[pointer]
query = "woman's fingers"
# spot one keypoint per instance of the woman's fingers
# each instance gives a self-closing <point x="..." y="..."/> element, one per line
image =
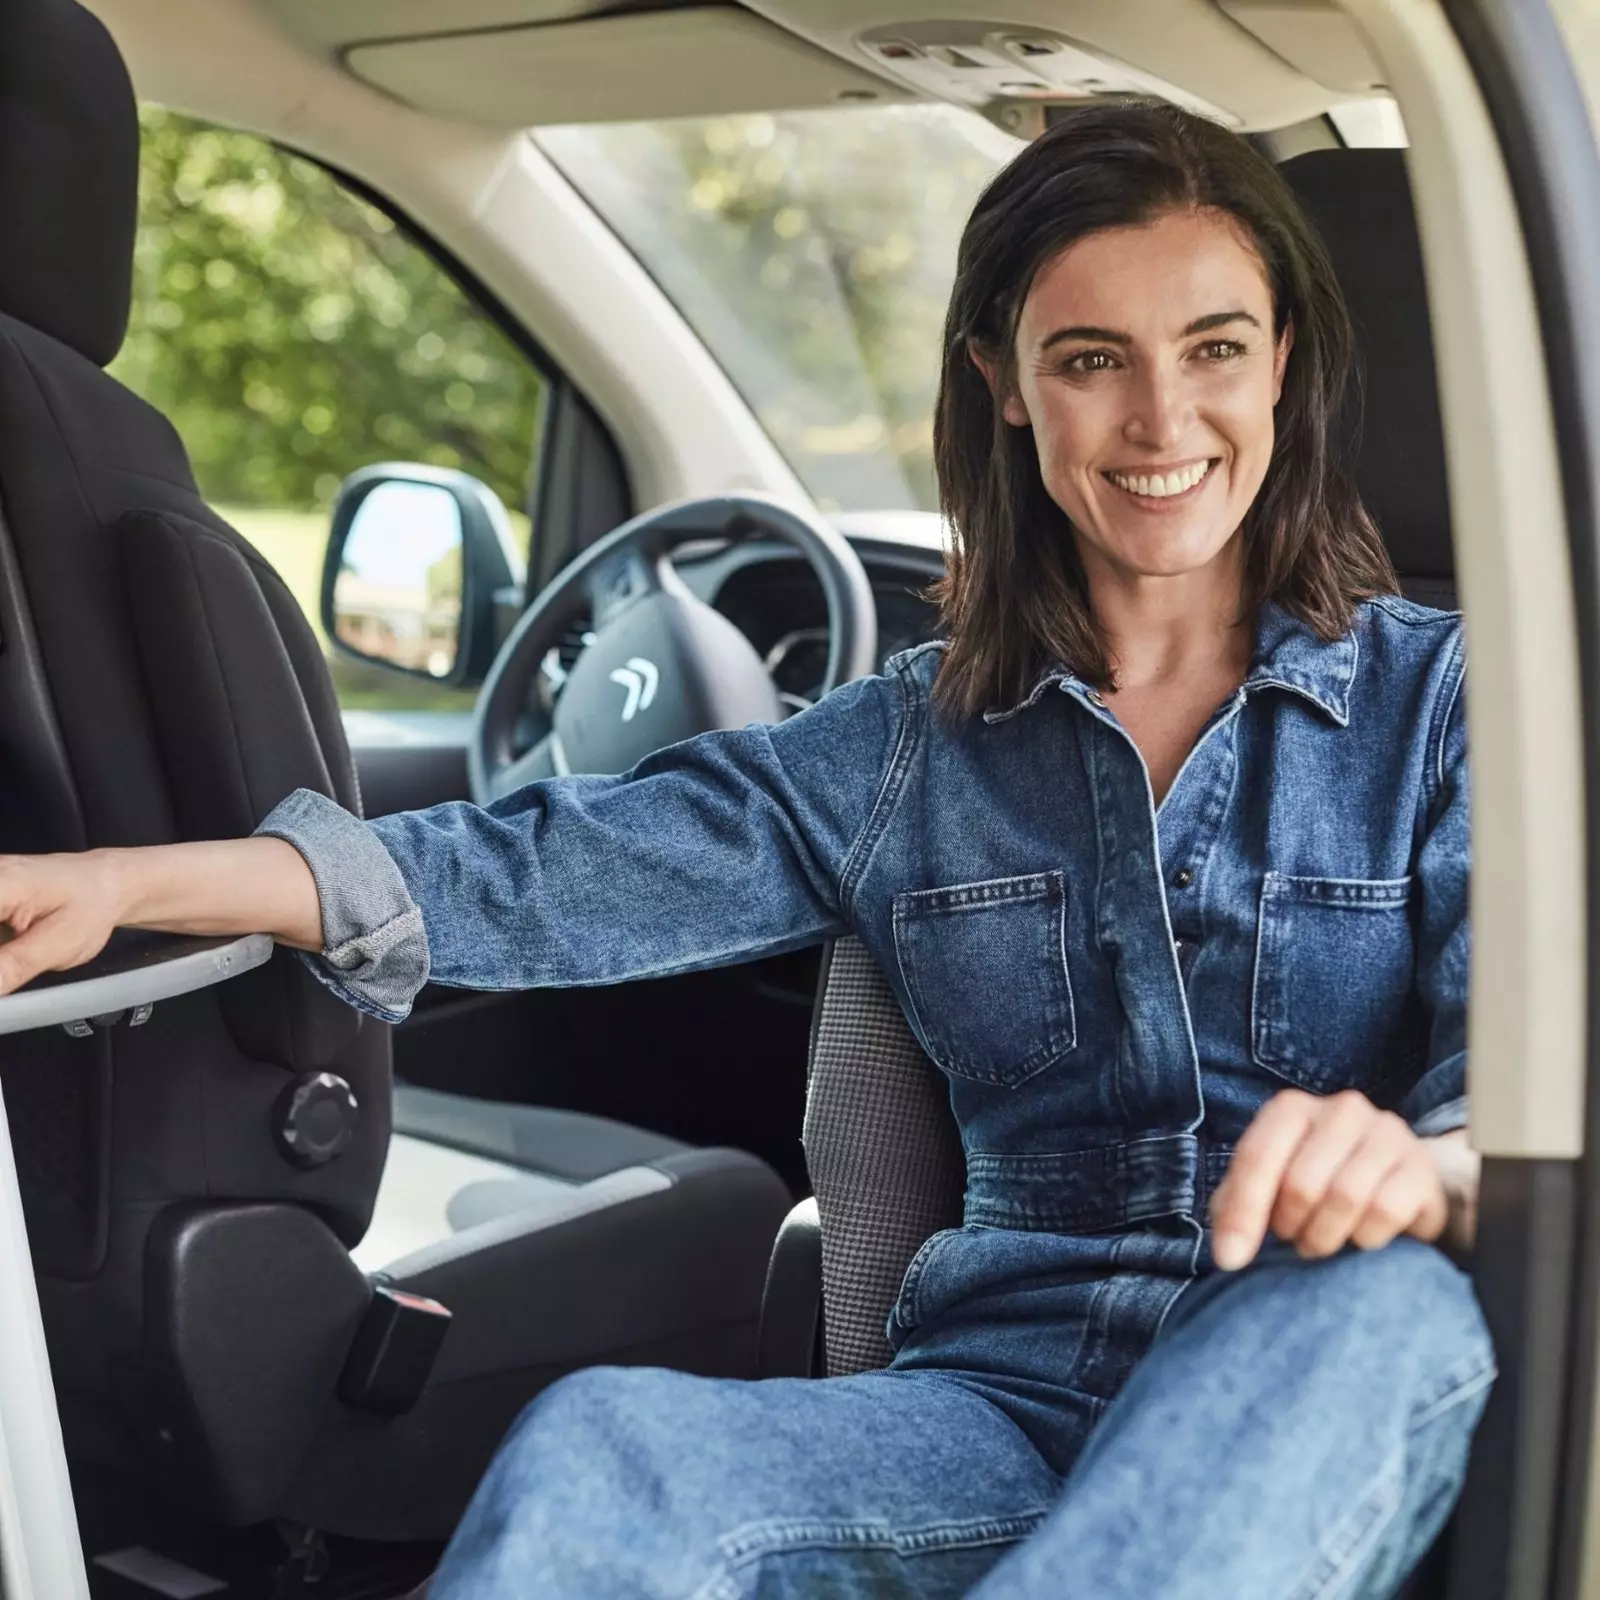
<point x="54" y="916"/>
<point x="1243" y="1203"/>
<point x="1340" y="1124"/>
<point x="1410" y="1200"/>
<point x="49" y="945"/>
<point x="1326" y="1172"/>
<point x="1355" y="1187"/>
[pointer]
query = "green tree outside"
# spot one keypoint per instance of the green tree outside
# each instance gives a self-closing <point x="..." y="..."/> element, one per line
<point x="292" y="333"/>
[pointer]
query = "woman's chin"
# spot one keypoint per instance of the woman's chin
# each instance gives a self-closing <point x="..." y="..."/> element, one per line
<point x="1172" y="555"/>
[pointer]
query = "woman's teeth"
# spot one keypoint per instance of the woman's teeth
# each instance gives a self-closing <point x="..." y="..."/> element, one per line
<point x="1157" y="485"/>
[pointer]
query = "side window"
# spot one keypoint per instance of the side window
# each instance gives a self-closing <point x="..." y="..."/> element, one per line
<point x="293" y="332"/>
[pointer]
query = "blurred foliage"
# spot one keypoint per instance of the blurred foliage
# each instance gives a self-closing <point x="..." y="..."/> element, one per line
<point x="292" y="333"/>
<point x="813" y="252"/>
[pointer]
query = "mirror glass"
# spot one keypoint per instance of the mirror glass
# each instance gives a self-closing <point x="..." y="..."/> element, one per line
<point x="397" y="595"/>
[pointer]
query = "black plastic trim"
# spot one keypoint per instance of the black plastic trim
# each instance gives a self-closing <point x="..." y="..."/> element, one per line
<point x="581" y="484"/>
<point x="790" y="1342"/>
<point x="1518" y="56"/>
<point x="1522" y="1270"/>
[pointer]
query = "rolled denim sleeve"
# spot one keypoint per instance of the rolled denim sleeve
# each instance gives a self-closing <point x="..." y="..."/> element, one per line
<point x="1437" y="1103"/>
<point x="375" y="948"/>
<point x="725" y="847"/>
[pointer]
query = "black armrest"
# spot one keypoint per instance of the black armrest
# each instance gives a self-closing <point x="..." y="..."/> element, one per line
<point x="791" y="1307"/>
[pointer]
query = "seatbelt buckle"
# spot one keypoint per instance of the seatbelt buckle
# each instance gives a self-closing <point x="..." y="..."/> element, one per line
<point x="392" y="1355"/>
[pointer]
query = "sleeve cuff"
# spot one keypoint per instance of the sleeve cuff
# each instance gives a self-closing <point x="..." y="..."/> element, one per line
<point x="375" y="947"/>
<point x="1445" y="1118"/>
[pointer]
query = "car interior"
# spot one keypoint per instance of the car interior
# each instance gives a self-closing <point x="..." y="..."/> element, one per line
<point x="298" y="1269"/>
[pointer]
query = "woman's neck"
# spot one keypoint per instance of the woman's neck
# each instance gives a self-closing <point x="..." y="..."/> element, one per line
<point x="1164" y="630"/>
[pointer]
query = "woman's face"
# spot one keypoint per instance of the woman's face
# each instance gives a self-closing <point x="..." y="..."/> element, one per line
<point x="1147" y="370"/>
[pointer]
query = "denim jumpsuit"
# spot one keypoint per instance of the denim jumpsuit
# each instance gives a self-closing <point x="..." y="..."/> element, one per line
<point x="1113" y="990"/>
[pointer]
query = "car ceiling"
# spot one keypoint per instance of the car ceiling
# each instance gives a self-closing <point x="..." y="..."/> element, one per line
<point x="1259" y="64"/>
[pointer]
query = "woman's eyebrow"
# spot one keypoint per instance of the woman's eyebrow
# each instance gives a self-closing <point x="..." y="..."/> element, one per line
<point x="1081" y="330"/>
<point x="1218" y="319"/>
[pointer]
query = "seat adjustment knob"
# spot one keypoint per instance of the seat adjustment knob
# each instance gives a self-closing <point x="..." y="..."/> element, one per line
<point x="314" y="1118"/>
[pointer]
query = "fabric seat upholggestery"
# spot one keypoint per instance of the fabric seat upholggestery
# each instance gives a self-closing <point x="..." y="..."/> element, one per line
<point x="202" y="1288"/>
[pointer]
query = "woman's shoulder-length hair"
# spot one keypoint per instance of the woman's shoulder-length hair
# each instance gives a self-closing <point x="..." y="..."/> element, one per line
<point x="1014" y="600"/>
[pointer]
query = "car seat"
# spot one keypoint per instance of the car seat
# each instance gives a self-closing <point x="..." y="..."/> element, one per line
<point x="199" y="1187"/>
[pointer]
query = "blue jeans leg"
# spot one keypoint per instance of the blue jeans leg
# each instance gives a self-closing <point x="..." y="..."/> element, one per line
<point x="642" y="1484"/>
<point x="1299" y="1430"/>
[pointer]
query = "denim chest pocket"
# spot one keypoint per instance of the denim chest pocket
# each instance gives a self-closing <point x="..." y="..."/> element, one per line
<point x="1335" y="964"/>
<point x="985" y="969"/>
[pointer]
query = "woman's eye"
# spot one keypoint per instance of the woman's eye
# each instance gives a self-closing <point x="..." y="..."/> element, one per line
<point x="1090" y="361"/>
<point x="1222" y="349"/>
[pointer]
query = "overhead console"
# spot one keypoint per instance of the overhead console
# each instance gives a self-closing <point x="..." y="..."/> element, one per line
<point x="1015" y="61"/>
<point x="979" y="64"/>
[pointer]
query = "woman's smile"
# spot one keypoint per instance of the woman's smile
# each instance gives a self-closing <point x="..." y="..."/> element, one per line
<point x="1162" y="488"/>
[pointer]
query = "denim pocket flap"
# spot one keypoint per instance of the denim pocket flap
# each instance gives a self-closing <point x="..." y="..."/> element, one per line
<point x="1335" y="970"/>
<point x="985" y="970"/>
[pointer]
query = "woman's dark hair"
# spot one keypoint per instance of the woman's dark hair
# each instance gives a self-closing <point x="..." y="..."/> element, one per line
<point x="1015" y="597"/>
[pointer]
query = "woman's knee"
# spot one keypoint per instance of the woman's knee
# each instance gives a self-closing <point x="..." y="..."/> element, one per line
<point x="1410" y="1296"/>
<point x="1402" y="1320"/>
<point x="599" y="1407"/>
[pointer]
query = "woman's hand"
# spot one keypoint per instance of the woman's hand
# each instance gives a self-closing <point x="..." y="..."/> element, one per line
<point x="57" y="911"/>
<point x="1326" y="1171"/>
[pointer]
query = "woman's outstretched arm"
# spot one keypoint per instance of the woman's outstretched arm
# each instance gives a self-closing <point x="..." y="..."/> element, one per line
<point x="61" y="909"/>
<point x="725" y="847"/>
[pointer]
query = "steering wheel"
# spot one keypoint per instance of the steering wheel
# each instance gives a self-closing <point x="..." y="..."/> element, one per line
<point x="660" y="665"/>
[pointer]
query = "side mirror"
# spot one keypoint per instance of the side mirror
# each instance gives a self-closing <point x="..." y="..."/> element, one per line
<point x="421" y="572"/>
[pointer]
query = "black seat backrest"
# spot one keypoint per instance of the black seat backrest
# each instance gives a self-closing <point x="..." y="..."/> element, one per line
<point x="1360" y="201"/>
<point x="157" y="683"/>
<point x="883" y="1153"/>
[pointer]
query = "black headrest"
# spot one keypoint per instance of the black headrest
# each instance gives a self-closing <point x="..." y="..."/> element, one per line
<point x="69" y="176"/>
<point x="1361" y="203"/>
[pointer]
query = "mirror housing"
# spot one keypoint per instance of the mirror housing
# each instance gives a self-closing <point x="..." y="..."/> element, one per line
<point x="422" y="574"/>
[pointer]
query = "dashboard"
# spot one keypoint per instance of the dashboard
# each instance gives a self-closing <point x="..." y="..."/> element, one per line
<point x="769" y="592"/>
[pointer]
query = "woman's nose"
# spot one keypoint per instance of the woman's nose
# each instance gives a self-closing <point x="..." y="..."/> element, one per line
<point x="1161" y="412"/>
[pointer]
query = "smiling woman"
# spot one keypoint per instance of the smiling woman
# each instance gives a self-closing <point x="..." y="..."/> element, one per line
<point x="1173" y="374"/>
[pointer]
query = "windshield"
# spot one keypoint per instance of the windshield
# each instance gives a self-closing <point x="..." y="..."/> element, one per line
<point x="813" y="252"/>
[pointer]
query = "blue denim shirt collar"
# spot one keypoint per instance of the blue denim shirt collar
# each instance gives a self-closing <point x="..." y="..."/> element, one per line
<point x="1288" y="655"/>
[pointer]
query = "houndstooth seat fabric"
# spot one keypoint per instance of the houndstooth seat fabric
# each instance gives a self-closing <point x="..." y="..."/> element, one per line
<point x="883" y="1151"/>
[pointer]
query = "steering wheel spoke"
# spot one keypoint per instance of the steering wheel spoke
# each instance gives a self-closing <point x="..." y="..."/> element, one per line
<point x="621" y="582"/>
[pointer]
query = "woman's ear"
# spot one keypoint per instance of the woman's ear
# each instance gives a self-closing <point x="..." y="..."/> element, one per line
<point x="1280" y="360"/>
<point x="1000" y="387"/>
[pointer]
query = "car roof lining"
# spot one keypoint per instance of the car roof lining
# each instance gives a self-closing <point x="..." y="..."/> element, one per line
<point x="524" y="62"/>
<point x="705" y="60"/>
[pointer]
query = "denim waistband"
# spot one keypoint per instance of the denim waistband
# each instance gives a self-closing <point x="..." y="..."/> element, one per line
<point x="1083" y="1191"/>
